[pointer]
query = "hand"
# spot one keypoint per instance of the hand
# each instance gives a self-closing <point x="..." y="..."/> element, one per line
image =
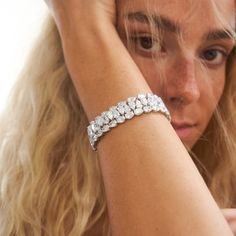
<point x="73" y="13"/>
<point x="230" y="216"/>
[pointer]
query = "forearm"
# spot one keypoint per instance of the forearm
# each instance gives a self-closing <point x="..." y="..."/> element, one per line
<point x="151" y="183"/>
<point x="102" y="70"/>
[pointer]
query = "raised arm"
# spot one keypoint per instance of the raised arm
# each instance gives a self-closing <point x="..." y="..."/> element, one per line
<point x="152" y="185"/>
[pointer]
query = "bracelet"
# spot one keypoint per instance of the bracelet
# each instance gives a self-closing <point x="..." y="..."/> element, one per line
<point x="125" y="110"/>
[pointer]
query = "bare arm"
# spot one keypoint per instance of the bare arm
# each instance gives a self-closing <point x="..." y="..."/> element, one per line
<point x="151" y="183"/>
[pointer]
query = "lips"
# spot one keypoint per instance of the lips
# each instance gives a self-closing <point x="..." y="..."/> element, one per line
<point x="183" y="129"/>
<point x="181" y="125"/>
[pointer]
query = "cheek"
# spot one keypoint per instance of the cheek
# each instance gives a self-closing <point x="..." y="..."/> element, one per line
<point x="218" y="84"/>
<point x="211" y="93"/>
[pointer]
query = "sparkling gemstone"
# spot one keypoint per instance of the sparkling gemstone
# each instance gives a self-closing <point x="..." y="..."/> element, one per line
<point x="99" y="133"/>
<point x="121" y="109"/>
<point x="138" y="104"/>
<point x="120" y="119"/>
<point x="156" y="103"/>
<point x="151" y="101"/>
<point x="144" y="101"/>
<point x="162" y="108"/>
<point x="140" y="96"/>
<point x="115" y="113"/>
<point x="110" y="115"/>
<point x="113" y="123"/>
<point x="127" y="108"/>
<point x="155" y="108"/>
<point x="105" y="118"/>
<point x="94" y="127"/>
<point x="157" y="100"/>
<point x="138" y="111"/>
<point x="147" y="109"/>
<point x="131" y="99"/>
<point x="99" y="120"/>
<point x="95" y="138"/>
<point x="105" y="128"/>
<point x="129" y="115"/>
<point x="132" y="105"/>
<point x="89" y="130"/>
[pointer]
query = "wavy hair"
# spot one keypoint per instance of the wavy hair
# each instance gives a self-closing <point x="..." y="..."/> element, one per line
<point x="51" y="182"/>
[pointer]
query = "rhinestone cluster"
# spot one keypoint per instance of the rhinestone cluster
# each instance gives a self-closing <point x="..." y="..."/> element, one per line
<point x="125" y="110"/>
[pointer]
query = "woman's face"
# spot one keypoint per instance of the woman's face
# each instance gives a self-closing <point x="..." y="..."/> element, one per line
<point x="183" y="56"/>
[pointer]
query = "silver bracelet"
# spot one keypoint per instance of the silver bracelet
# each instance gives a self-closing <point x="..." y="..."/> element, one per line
<point x="125" y="110"/>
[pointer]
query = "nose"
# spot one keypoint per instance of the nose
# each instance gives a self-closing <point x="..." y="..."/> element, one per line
<point x="181" y="82"/>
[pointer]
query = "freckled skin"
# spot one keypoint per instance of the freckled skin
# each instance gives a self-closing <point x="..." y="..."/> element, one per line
<point x="193" y="82"/>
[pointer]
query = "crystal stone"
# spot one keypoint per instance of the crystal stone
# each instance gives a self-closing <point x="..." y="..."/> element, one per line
<point x="151" y="101"/>
<point x="155" y="108"/>
<point x="131" y="99"/>
<point x="132" y="105"/>
<point x="94" y="127"/>
<point x="138" y="104"/>
<point x="99" y="120"/>
<point x="105" y="118"/>
<point x="157" y="100"/>
<point x="99" y="133"/>
<point x="144" y="101"/>
<point x="89" y="130"/>
<point x="95" y="138"/>
<point x="141" y="96"/>
<point x="120" y="108"/>
<point x="127" y="108"/>
<point x="109" y="115"/>
<point x="105" y="128"/>
<point x="115" y="113"/>
<point x="120" y="119"/>
<point x="129" y="115"/>
<point x="113" y="123"/>
<point x="162" y="108"/>
<point x="138" y="111"/>
<point x="147" y="109"/>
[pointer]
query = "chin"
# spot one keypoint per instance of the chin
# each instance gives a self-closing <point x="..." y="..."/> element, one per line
<point x="189" y="144"/>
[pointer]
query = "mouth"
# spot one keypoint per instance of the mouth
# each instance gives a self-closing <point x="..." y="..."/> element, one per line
<point x="183" y="129"/>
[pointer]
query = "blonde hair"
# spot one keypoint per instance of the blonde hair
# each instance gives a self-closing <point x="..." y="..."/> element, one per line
<point x="51" y="182"/>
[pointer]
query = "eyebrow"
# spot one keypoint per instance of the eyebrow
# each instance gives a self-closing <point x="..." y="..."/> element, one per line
<point x="166" y="24"/>
<point x="158" y="20"/>
<point x="219" y="34"/>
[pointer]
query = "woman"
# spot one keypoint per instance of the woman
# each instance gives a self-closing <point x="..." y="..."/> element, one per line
<point x="53" y="183"/>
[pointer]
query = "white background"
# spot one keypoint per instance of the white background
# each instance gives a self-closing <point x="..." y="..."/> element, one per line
<point x="20" y="21"/>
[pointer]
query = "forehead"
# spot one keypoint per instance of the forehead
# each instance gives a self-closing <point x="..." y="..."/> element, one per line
<point x="201" y="12"/>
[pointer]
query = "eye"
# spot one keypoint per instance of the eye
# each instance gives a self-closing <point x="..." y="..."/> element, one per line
<point x="214" y="56"/>
<point x="145" y="44"/>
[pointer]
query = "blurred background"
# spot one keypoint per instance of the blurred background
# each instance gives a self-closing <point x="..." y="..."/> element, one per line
<point x="20" y="23"/>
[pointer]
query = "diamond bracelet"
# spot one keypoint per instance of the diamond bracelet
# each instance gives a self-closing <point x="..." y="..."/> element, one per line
<point x="125" y="110"/>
